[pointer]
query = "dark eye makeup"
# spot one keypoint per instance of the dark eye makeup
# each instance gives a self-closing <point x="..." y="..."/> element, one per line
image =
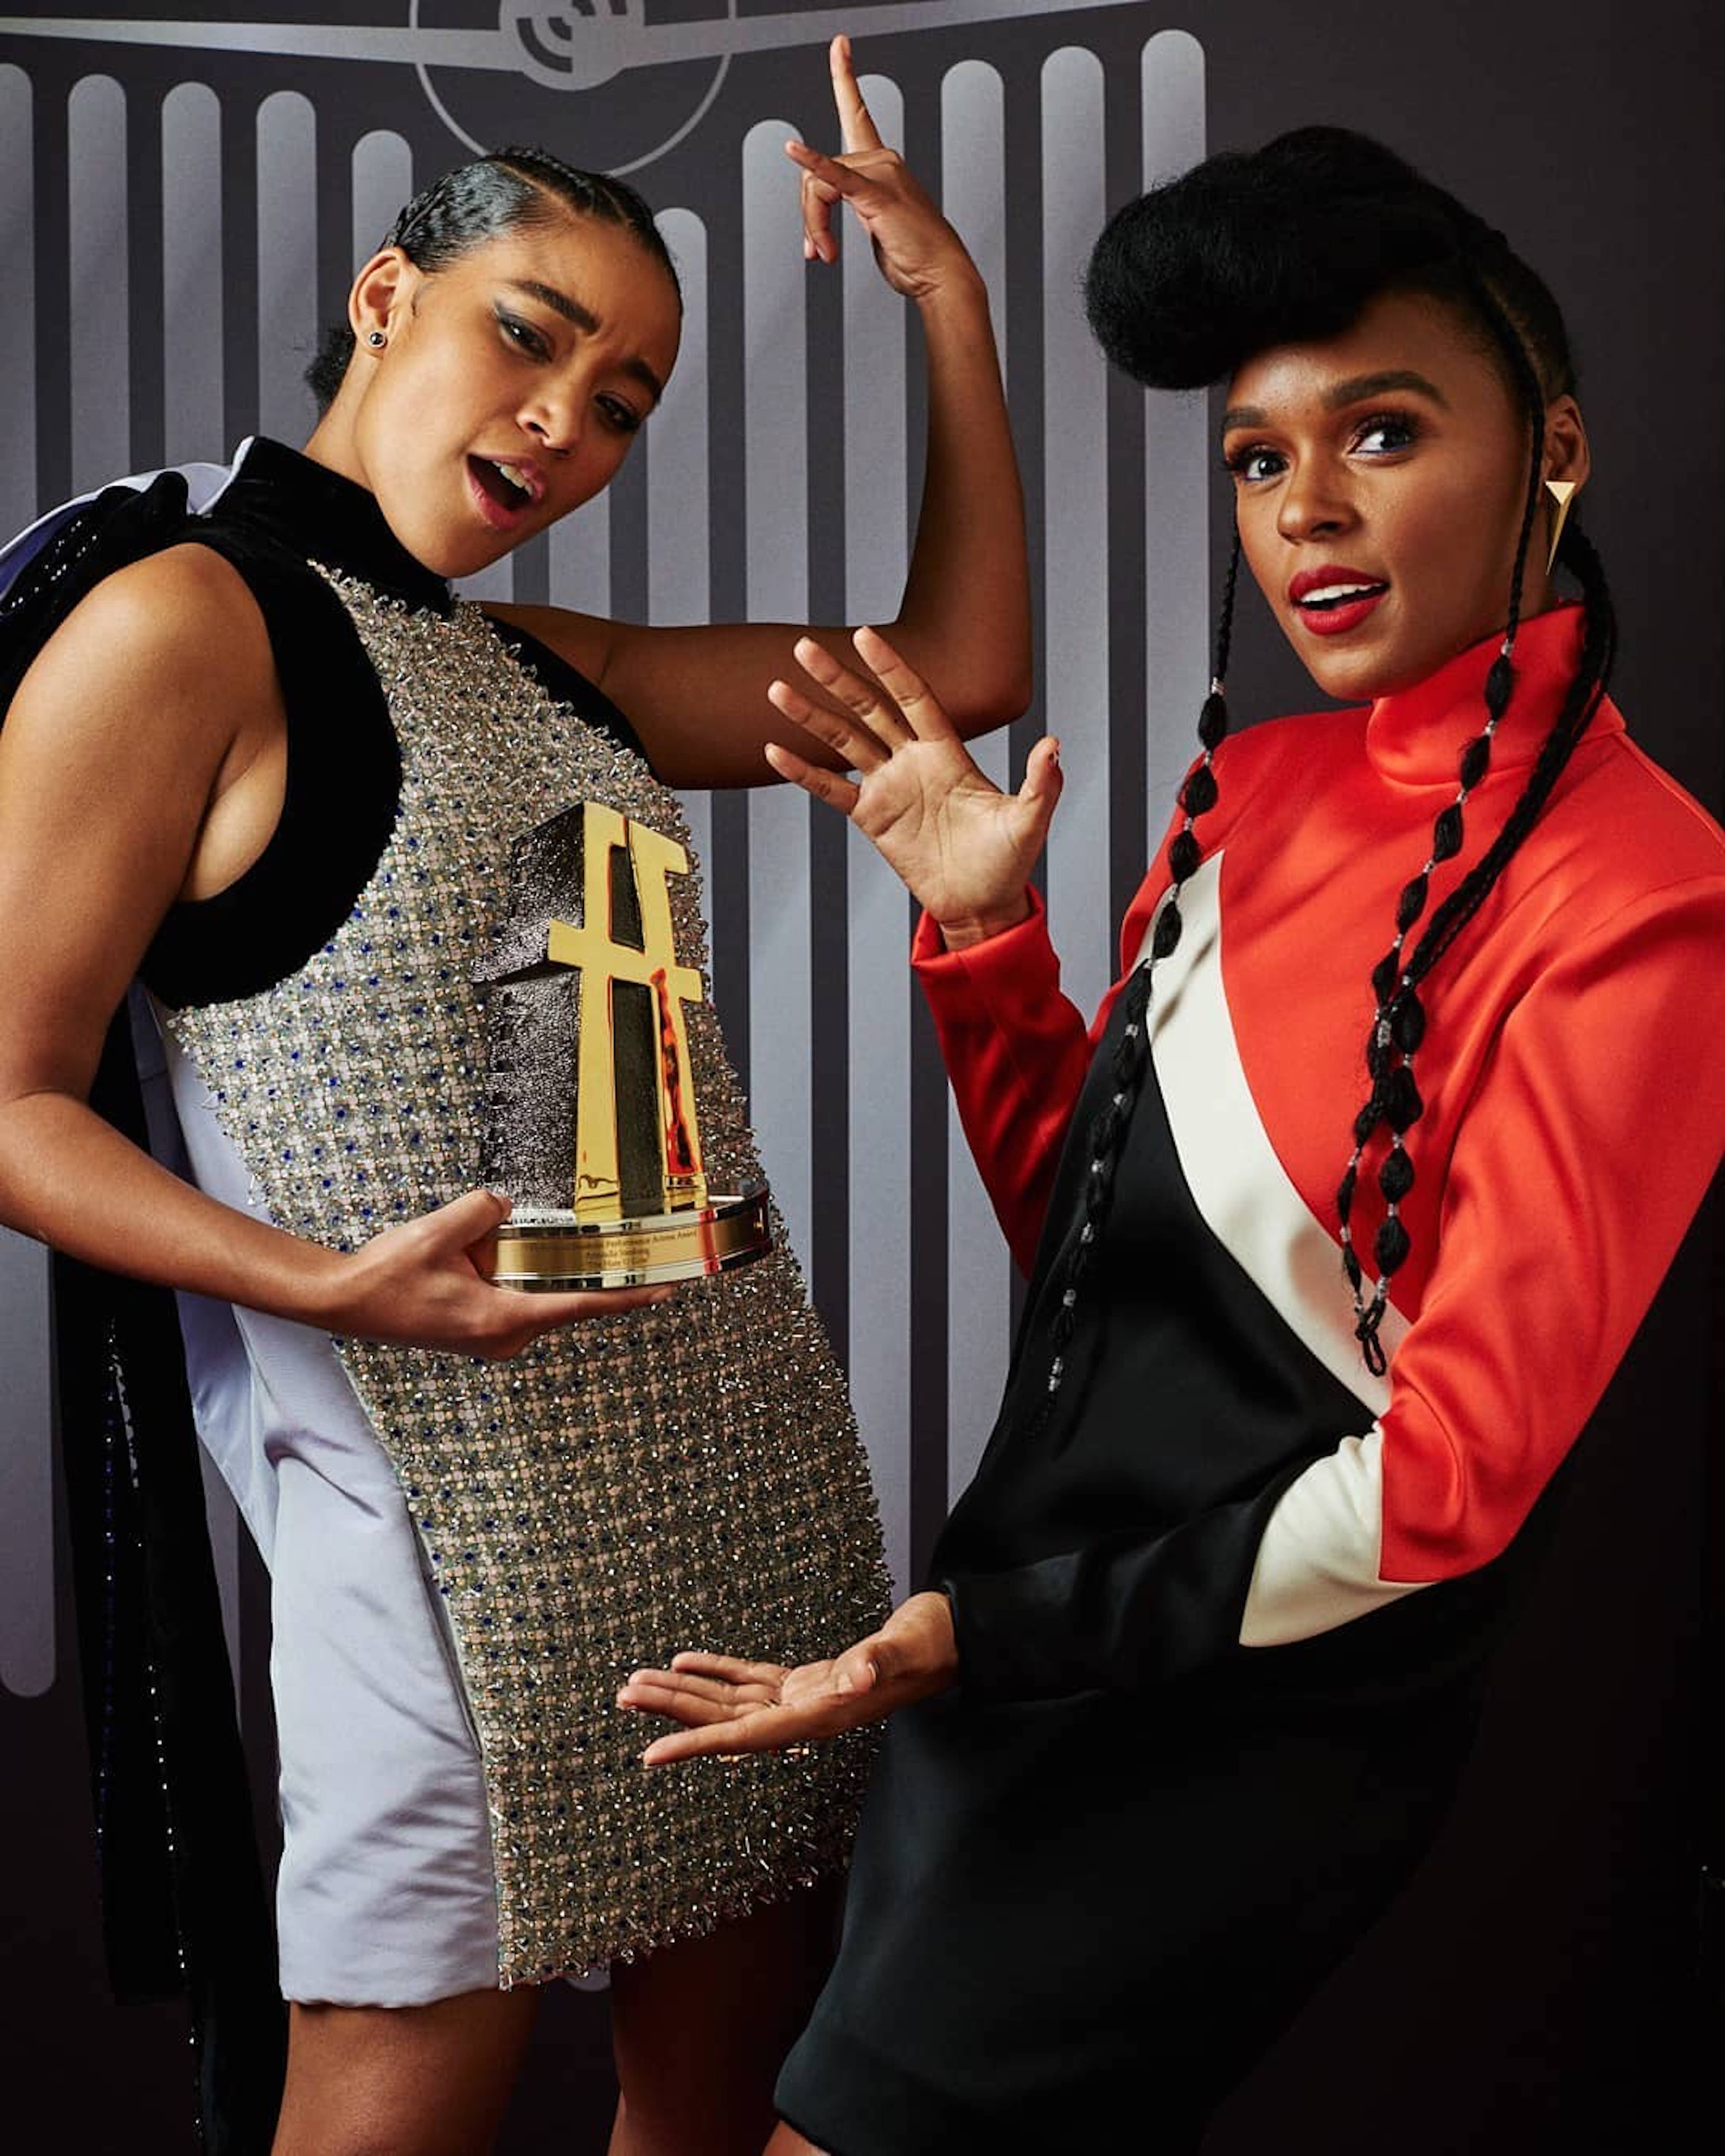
<point x="522" y="333"/>
<point x="1380" y="434"/>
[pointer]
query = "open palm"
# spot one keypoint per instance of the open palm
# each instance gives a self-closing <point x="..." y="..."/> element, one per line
<point x="962" y="847"/>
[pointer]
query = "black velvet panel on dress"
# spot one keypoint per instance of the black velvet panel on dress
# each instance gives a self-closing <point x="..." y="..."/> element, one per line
<point x="281" y="512"/>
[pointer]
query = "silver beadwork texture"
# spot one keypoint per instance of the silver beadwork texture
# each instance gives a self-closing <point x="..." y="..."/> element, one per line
<point x="687" y="1476"/>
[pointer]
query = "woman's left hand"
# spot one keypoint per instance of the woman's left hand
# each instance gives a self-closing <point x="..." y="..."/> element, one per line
<point x="917" y="250"/>
<point x="728" y="1705"/>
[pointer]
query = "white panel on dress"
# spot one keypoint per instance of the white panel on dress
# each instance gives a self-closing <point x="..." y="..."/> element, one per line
<point x="1318" y="1561"/>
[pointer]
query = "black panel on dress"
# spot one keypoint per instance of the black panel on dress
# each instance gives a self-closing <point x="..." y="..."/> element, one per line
<point x="280" y="513"/>
<point x="1107" y="1900"/>
<point x="338" y="807"/>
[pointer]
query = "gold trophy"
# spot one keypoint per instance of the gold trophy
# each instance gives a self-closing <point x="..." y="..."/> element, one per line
<point x="592" y="1129"/>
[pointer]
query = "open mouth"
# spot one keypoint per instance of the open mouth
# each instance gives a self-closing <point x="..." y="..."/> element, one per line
<point x="1334" y="598"/>
<point x="502" y="486"/>
<point x="1328" y="598"/>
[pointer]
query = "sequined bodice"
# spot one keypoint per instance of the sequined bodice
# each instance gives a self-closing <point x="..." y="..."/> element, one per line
<point x="688" y="1471"/>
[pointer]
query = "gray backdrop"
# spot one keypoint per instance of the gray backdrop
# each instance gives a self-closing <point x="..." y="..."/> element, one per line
<point x="180" y="207"/>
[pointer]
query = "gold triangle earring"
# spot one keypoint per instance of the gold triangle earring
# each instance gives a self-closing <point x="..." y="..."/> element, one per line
<point x="1563" y="498"/>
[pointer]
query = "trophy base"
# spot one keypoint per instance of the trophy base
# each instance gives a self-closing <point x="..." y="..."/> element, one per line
<point x="538" y="1250"/>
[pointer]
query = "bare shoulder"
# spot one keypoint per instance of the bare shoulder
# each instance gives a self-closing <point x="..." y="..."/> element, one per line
<point x="584" y="641"/>
<point x="174" y="644"/>
<point x="185" y="607"/>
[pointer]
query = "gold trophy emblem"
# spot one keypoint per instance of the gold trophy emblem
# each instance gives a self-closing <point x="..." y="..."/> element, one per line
<point x="592" y="1126"/>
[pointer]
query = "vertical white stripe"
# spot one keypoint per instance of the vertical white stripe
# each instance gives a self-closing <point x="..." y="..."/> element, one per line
<point x="100" y="340"/>
<point x="581" y="558"/>
<point x="881" y="1221"/>
<point x="17" y="317"/>
<point x="193" y="323"/>
<point x="287" y="264"/>
<point x="776" y="464"/>
<point x="679" y="480"/>
<point x="1177" y="604"/>
<point x="978" y="1269"/>
<point x="974" y="176"/>
<point x="25" y="1471"/>
<point x="495" y="585"/>
<point x="1075" y="460"/>
<point x="679" y="586"/>
<point x="26" y="1454"/>
<point x="382" y="187"/>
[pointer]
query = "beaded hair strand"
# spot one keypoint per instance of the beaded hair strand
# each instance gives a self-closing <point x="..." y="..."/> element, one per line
<point x="1398" y="1019"/>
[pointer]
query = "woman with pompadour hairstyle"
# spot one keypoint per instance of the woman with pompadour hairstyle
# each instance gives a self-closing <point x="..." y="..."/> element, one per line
<point x="1337" y="1219"/>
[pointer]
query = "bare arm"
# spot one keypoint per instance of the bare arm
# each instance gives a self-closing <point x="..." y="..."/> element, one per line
<point x="140" y="763"/>
<point x="697" y="696"/>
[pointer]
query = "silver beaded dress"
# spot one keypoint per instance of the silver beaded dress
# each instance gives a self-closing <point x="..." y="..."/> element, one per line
<point x="468" y="1558"/>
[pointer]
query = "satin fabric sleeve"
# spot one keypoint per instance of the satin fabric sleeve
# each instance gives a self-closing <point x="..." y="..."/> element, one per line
<point x="1016" y="1052"/>
<point x="1591" y="1139"/>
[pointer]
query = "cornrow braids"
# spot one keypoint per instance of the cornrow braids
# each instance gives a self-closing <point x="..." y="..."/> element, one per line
<point x="1398" y="1020"/>
<point x="504" y="191"/>
<point x="1131" y="1050"/>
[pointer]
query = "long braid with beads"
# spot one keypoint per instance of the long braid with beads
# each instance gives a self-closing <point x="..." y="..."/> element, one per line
<point x="1398" y="1019"/>
<point x="1132" y="1049"/>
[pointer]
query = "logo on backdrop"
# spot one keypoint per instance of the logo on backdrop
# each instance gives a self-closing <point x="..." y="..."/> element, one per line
<point x="521" y="72"/>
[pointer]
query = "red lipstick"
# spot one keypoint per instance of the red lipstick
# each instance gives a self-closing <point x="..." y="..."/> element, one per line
<point x="1333" y="599"/>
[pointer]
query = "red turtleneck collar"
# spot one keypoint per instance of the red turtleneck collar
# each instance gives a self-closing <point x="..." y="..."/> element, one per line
<point x="1415" y="735"/>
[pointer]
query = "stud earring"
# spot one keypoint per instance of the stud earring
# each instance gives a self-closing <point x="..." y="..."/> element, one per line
<point x="1562" y="492"/>
<point x="378" y="337"/>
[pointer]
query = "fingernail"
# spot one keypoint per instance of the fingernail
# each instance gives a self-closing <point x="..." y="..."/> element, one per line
<point x="844" y="1683"/>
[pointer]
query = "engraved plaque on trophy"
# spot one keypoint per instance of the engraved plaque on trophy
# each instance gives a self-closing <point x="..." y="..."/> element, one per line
<point x="591" y="1127"/>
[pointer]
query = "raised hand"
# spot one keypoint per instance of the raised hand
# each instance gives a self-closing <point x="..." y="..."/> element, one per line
<point x="963" y="848"/>
<point x="916" y="249"/>
<point x="422" y="1284"/>
<point x="727" y="1705"/>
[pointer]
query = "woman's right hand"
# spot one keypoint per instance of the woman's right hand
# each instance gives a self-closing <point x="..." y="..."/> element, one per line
<point x="962" y="848"/>
<point x="424" y="1284"/>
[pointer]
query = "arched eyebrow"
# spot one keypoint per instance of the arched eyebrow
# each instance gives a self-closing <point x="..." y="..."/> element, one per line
<point x="1357" y="389"/>
<point x="584" y="318"/>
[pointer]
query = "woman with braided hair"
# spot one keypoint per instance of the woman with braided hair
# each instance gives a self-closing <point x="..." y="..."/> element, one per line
<point x="1337" y="1219"/>
<point x="261" y="761"/>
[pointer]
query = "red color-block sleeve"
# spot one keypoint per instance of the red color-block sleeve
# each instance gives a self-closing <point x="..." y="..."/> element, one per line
<point x="1578" y="1167"/>
<point x="1016" y="1052"/>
